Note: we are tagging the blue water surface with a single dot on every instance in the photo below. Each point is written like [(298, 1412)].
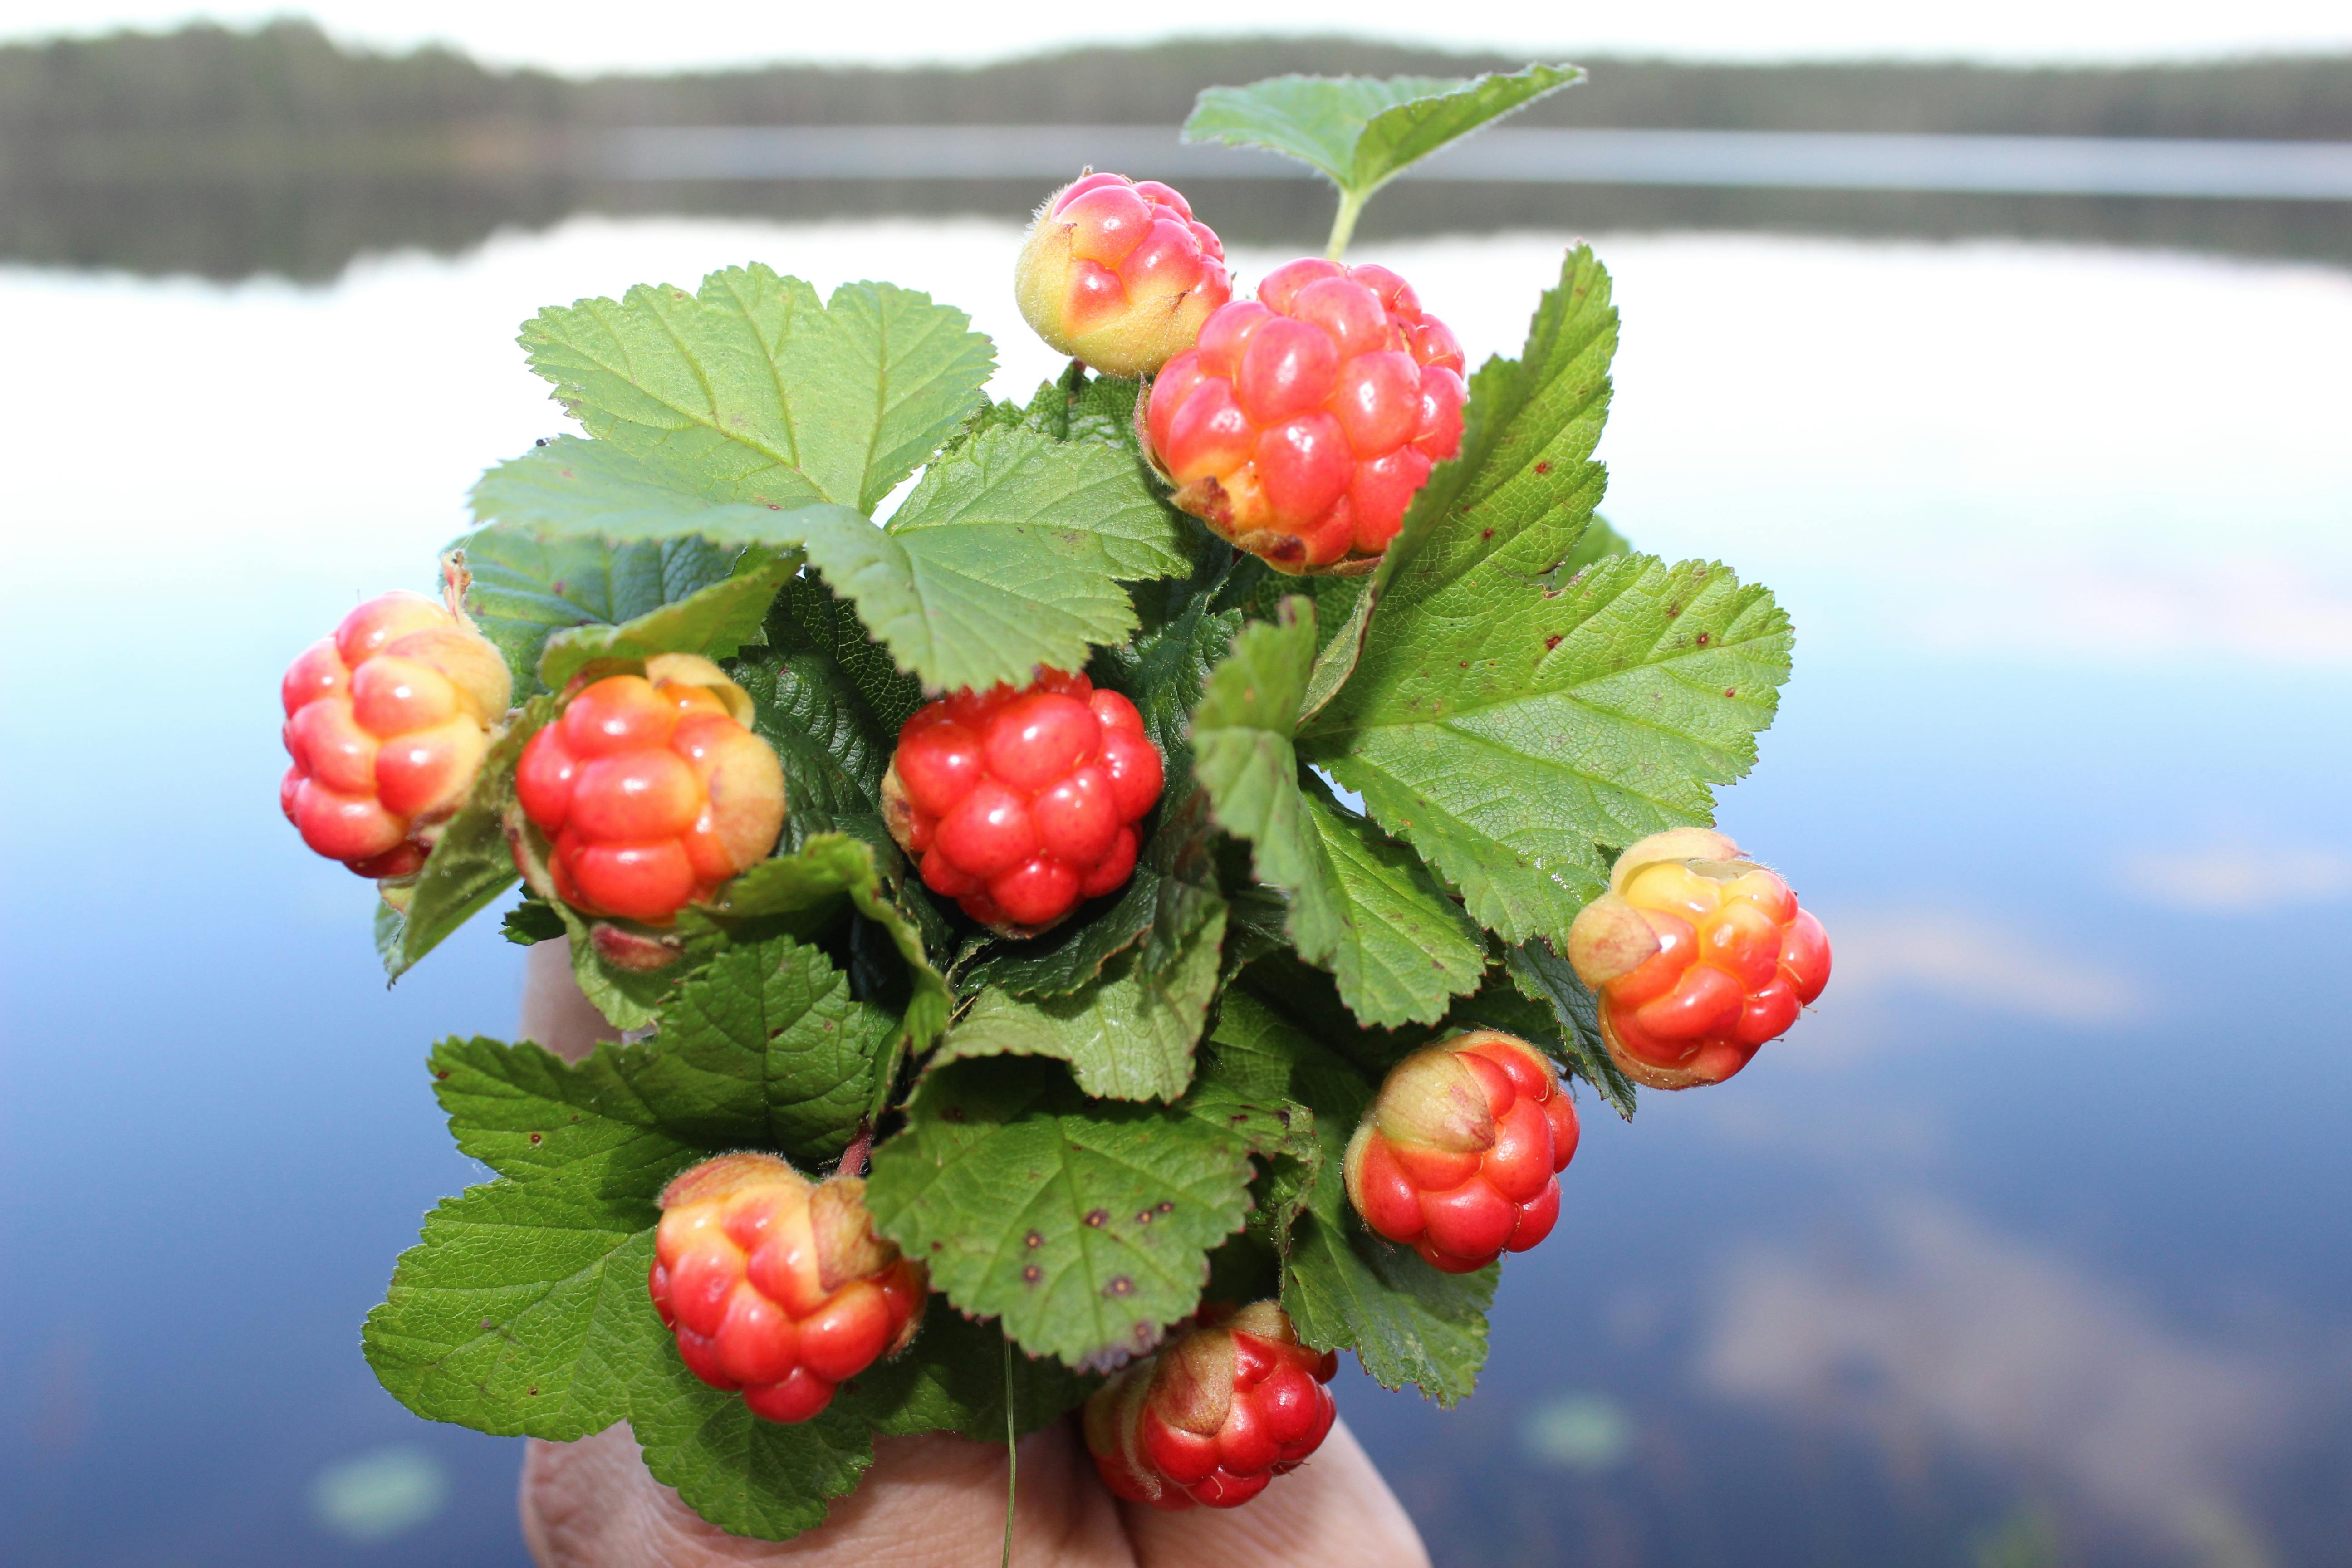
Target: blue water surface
[(2030, 1246)]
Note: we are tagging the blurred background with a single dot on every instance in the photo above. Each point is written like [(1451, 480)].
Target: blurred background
[(2008, 343)]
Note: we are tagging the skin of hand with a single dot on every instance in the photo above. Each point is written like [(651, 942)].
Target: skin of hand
[(938, 1501)]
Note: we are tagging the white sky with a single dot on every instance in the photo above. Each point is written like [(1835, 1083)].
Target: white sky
[(588, 36)]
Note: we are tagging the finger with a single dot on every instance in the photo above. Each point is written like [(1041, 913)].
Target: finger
[(554, 1011), (1334, 1511), (933, 1501)]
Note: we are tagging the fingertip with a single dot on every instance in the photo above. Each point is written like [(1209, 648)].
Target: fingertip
[(1334, 1511)]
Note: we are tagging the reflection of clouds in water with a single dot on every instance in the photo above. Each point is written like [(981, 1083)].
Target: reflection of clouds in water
[(2239, 879), (1972, 959), (1964, 1336)]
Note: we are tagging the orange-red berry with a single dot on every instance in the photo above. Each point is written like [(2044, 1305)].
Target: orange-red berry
[(1017, 804), (1460, 1153), (387, 721), (778, 1286), (1304, 421), (1215, 1414), (651, 791), (1699, 956), (1117, 273)]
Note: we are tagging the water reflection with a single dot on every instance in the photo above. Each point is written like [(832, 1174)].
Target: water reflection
[(2028, 1249)]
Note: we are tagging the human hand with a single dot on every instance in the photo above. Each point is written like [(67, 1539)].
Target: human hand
[(938, 1501)]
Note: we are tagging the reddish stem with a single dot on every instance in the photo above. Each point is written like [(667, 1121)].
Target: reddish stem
[(852, 1159)]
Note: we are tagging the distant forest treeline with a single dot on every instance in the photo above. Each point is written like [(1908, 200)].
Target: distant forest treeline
[(225, 153)]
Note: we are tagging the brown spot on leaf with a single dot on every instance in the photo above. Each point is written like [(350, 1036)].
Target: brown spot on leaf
[(533, 1391), (1732, 692), (953, 1113), (535, 1139), (1143, 1216), (1485, 533), (1120, 1285), (1097, 1218), (442, 1073), (488, 1324), (1035, 1239), (1169, 1207), (1031, 1274), (1703, 636), (1552, 641), (1544, 466)]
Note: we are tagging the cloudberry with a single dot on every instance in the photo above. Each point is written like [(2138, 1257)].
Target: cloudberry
[(1215, 1414), (1304, 421), (1018, 804), (1460, 1153), (1117, 273), (1700, 955), (387, 721), (778, 1286), (652, 791)]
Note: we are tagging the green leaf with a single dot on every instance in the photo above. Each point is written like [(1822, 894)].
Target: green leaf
[(767, 1480), (1360, 905), (526, 1113), (1085, 1224), (1545, 978), (525, 589), (760, 392), (470, 863), (1128, 1035), (1007, 555), (797, 892), (522, 1312), (1515, 731), (758, 1479), (1342, 1286), (715, 621), (1401, 946), (1360, 132), (828, 698), (1243, 757), (574, 491)]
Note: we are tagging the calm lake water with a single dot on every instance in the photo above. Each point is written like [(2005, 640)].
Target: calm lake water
[(2029, 1247)]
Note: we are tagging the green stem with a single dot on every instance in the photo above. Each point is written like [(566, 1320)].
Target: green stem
[(1011, 1455), (1343, 225)]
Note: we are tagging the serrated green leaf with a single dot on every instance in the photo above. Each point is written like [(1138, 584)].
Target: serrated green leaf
[(1359, 905), (1362, 131), (1127, 1036), (1402, 947), (830, 702), (572, 491), (1546, 980), (715, 621), (1343, 1287), (1513, 730), (1243, 757), (522, 1310), (525, 589), (1076, 406), (1007, 555), (526, 1113), (1085, 1224), (767, 1480), (764, 1046), (797, 893), (760, 392), (530, 922)]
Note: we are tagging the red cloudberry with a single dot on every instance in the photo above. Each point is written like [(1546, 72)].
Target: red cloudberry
[(652, 791), (1117, 273), (1460, 1153), (1304, 421), (1018, 804), (1215, 1414), (1700, 955), (387, 721), (778, 1286)]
